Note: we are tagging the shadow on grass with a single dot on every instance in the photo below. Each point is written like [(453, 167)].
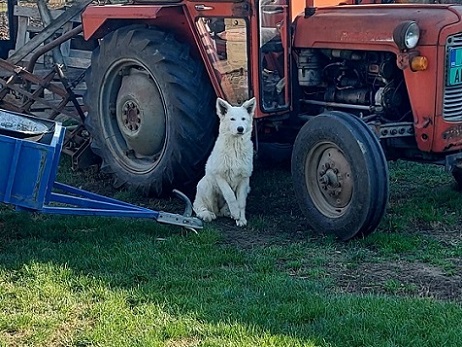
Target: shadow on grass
[(242, 291), (240, 297)]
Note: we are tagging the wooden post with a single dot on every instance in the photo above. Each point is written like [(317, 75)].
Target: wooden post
[(48, 31), (47, 20)]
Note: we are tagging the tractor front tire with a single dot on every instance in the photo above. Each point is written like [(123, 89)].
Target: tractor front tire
[(340, 175), (150, 110)]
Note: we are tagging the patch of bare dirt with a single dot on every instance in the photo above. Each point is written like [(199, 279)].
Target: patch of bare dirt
[(402, 278), (445, 236)]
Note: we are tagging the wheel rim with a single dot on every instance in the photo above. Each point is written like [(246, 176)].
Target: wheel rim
[(328, 179), (133, 116)]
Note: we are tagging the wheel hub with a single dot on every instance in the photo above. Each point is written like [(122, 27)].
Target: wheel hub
[(131, 116), (334, 172), (140, 114), (330, 180)]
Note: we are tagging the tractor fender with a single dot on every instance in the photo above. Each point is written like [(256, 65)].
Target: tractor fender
[(97, 21)]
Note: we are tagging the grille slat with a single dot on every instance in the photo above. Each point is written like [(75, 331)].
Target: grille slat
[(454, 107), (452, 99)]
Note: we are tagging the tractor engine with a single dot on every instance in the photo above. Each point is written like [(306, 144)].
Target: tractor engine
[(362, 83)]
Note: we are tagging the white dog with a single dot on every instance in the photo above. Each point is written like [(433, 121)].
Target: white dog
[(224, 188)]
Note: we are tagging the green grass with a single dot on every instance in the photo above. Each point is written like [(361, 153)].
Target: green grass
[(127, 283), (82, 281), (422, 195)]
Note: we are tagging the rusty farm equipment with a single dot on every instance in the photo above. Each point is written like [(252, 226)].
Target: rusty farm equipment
[(35, 80), (31, 146)]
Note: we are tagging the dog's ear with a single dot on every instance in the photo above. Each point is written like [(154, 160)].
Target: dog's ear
[(249, 106), (222, 107)]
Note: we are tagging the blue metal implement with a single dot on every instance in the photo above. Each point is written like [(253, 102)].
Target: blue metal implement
[(30, 149)]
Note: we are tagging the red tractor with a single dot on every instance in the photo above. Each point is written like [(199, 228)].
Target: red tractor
[(343, 87)]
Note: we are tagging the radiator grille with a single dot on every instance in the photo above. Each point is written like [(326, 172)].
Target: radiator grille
[(452, 99)]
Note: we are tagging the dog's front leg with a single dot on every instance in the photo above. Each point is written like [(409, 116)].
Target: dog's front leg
[(229, 197), (241, 196)]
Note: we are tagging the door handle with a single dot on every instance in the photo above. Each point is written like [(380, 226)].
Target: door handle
[(203, 8)]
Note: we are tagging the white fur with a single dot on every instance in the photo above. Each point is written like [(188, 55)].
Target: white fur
[(224, 188)]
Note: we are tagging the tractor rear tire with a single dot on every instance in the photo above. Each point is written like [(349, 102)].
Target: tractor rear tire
[(150, 110), (340, 175)]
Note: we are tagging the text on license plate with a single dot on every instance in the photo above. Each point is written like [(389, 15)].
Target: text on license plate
[(455, 67)]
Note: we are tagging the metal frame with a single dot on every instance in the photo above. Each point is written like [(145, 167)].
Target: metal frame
[(30, 162)]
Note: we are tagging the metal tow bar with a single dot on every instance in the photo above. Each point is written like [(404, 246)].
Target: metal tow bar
[(185, 220), (30, 151)]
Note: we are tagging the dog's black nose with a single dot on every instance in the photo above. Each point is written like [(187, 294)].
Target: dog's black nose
[(240, 129)]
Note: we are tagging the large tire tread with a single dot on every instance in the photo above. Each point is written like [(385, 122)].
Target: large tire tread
[(187, 91), (379, 162), (369, 168)]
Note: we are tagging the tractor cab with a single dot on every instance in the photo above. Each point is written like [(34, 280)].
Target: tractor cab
[(249, 54), (249, 51)]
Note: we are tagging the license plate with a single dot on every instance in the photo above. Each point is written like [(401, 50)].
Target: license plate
[(455, 67)]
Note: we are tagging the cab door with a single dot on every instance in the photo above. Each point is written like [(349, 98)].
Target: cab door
[(273, 55), (224, 31)]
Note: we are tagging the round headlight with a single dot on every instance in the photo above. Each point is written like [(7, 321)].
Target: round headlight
[(406, 35)]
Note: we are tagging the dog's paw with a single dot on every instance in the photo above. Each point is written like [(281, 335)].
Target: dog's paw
[(224, 212), (234, 211), (207, 216), (241, 222), (236, 216)]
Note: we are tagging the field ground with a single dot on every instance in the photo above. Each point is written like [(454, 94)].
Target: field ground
[(77, 281)]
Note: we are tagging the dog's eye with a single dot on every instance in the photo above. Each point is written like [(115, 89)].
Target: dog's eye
[(233, 118), (243, 118)]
